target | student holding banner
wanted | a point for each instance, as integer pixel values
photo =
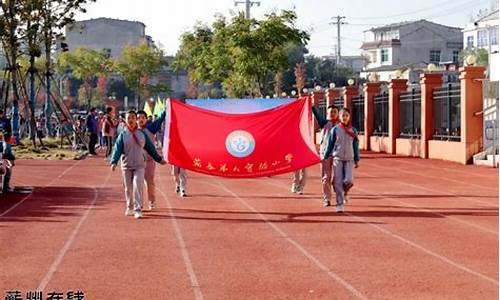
(343, 146)
(129, 148)
(150, 129)
(332, 119)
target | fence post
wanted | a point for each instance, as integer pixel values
(350, 92)
(471, 104)
(331, 94)
(395, 88)
(428, 81)
(370, 89)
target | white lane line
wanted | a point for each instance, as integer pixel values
(48, 184)
(53, 268)
(450, 218)
(421, 248)
(424, 188)
(198, 295)
(444, 168)
(429, 252)
(436, 177)
(297, 245)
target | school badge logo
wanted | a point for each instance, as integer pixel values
(240, 143)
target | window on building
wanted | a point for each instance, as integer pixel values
(384, 55)
(482, 38)
(470, 41)
(494, 35)
(456, 53)
(435, 56)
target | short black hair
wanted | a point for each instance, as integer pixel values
(132, 112)
(109, 109)
(93, 109)
(332, 107)
(141, 112)
(1, 111)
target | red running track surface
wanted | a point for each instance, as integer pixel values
(413, 229)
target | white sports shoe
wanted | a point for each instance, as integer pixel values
(340, 208)
(129, 212)
(152, 205)
(137, 214)
(293, 189)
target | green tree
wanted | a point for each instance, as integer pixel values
(244, 55)
(325, 71)
(43, 23)
(137, 65)
(86, 65)
(27, 26)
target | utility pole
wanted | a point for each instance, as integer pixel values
(338, 22)
(248, 5)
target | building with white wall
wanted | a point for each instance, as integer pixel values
(483, 34)
(408, 47)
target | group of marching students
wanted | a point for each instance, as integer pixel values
(339, 153)
(134, 147)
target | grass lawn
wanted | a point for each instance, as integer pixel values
(50, 150)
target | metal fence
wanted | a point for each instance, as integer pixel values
(358, 113)
(446, 117)
(339, 102)
(381, 119)
(409, 122)
(322, 107)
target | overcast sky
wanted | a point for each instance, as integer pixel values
(166, 20)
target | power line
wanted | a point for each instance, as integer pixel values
(437, 13)
(413, 12)
(248, 5)
(339, 22)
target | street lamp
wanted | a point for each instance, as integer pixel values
(294, 93)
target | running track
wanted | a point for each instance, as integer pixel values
(414, 229)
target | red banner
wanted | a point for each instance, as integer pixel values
(259, 144)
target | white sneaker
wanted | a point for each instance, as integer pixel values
(152, 205)
(129, 212)
(137, 214)
(340, 208)
(293, 189)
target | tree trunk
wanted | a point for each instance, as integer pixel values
(88, 94)
(15, 103)
(48, 44)
(13, 67)
(32, 101)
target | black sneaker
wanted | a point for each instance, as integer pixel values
(177, 190)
